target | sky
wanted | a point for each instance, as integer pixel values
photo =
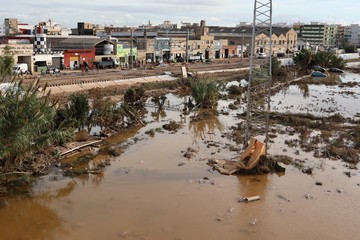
(138, 12)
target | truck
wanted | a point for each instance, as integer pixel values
(20, 68)
(107, 63)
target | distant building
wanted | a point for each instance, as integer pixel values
(352, 34)
(284, 41)
(21, 51)
(11, 27)
(26, 29)
(51, 28)
(330, 35)
(2, 30)
(167, 25)
(313, 33)
(340, 38)
(85, 28)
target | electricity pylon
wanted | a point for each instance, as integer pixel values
(260, 77)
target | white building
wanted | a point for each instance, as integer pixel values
(2, 30)
(352, 34)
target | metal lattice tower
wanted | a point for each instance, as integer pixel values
(260, 77)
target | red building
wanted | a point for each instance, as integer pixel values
(77, 51)
(74, 58)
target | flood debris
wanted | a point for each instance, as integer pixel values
(318, 183)
(253, 222)
(172, 126)
(252, 161)
(283, 197)
(190, 152)
(249, 199)
(248, 160)
(308, 196)
(307, 170)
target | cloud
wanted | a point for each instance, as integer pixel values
(137, 12)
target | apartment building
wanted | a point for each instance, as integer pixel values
(352, 34)
(330, 35)
(2, 30)
(340, 38)
(313, 34)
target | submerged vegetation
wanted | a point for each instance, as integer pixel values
(305, 59)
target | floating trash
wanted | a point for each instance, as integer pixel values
(249, 199)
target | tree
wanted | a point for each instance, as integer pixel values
(6, 64)
(328, 59)
(275, 66)
(27, 124)
(78, 109)
(303, 60)
(205, 92)
(349, 48)
(135, 97)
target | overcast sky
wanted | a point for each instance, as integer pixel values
(137, 12)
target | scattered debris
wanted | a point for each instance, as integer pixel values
(318, 183)
(307, 170)
(308, 196)
(172, 126)
(248, 160)
(253, 222)
(249, 199)
(283, 198)
(190, 152)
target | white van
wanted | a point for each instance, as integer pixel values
(20, 68)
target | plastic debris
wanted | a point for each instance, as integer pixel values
(308, 196)
(253, 222)
(249, 199)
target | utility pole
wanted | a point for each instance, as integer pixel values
(258, 105)
(187, 46)
(131, 50)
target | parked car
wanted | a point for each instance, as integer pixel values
(318, 74)
(261, 55)
(20, 68)
(318, 68)
(337, 70)
(53, 71)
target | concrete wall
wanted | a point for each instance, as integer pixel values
(349, 56)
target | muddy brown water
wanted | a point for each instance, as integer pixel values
(152, 191)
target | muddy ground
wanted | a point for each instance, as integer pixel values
(153, 182)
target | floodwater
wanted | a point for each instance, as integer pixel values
(152, 191)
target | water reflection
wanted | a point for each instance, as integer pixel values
(253, 185)
(304, 88)
(203, 124)
(31, 218)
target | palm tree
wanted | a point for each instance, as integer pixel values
(26, 124)
(6, 64)
(303, 59)
(78, 109)
(205, 92)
